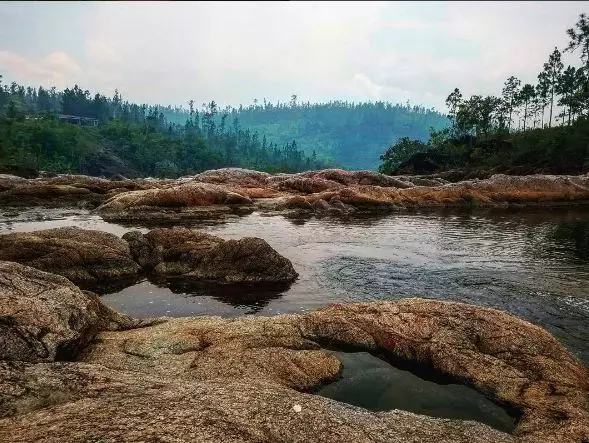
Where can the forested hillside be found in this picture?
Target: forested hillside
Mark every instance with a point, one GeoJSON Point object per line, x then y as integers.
{"type": "Point", "coordinates": [354, 135]}
{"type": "Point", "coordinates": [75, 131]}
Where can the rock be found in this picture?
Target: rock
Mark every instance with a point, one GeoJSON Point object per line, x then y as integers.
{"type": "Point", "coordinates": [92, 259]}
{"type": "Point", "coordinates": [64, 190]}
{"type": "Point", "coordinates": [508, 359]}
{"type": "Point", "coordinates": [188, 200]}
{"type": "Point", "coordinates": [243, 178]}
{"type": "Point", "coordinates": [204, 348]}
{"type": "Point", "coordinates": [511, 361]}
{"type": "Point", "coordinates": [76, 402]}
{"type": "Point", "coordinates": [44, 317]}
{"type": "Point", "coordinates": [308, 185]}
{"type": "Point", "coordinates": [195, 255]}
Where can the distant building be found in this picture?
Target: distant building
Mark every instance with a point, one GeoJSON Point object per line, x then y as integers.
{"type": "Point", "coordinates": [77, 120]}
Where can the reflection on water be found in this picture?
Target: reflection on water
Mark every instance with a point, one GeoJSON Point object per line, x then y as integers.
{"type": "Point", "coordinates": [532, 263]}
{"type": "Point", "coordinates": [373, 384]}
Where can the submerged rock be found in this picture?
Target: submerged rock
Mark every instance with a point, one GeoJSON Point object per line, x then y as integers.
{"type": "Point", "coordinates": [92, 259]}
{"type": "Point", "coordinates": [44, 317]}
{"type": "Point", "coordinates": [194, 255]}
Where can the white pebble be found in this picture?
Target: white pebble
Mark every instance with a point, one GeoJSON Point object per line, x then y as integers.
{"type": "Point", "coordinates": [297, 408]}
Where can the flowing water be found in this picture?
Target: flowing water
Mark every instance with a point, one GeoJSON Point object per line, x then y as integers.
{"type": "Point", "coordinates": [531, 263]}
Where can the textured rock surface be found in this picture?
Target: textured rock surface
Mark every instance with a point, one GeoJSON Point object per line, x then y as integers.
{"type": "Point", "coordinates": [91, 259]}
{"type": "Point", "coordinates": [510, 360]}
{"type": "Point", "coordinates": [334, 192]}
{"type": "Point", "coordinates": [75, 402]}
{"type": "Point", "coordinates": [66, 190]}
{"type": "Point", "coordinates": [195, 255]}
{"type": "Point", "coordinates": [44, 317]}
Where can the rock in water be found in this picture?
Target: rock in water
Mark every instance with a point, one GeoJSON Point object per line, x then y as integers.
{"type": "Point", "coordinates": [91, 259]}
{"type": "Point", "coordinates": [194, 255]}
{"type": "Point", "coordinates": [44, 317]}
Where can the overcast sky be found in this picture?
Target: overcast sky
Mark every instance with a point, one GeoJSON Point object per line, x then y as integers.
{"type": "Point", "coordinates": [168, 53]}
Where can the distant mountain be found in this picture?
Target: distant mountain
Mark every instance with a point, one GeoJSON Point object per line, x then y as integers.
{"type": "Point", "coordinates": [353, 135]}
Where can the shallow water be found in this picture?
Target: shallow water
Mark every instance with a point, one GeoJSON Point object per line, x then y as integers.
{"type": "Point", "coordinates": [531, 263]}
{"type": "Point", "coordinates": [373, 384]}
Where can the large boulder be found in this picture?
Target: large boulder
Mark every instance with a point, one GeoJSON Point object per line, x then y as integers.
{"type": "Point", "coordinates": [76, 402]}
{"type": "Point", "coordinates": [195, 255]}
{"type": "Point", "coordinates": [511, 361]}
{"type": "Point", "coordinates": [91, 259]}
{"type": "Point", "coordinates": [44, 317]}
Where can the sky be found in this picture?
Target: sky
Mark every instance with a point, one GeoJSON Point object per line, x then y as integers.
{"type": "Point", "coordinates": [238, 52]}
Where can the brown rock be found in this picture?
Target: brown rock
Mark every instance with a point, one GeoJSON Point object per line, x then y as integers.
{"type": "Point", "coordinates": [511, 361]}
{"type": "Point", "coordinates": [91, 259]}
{"type": "Point", "coordinates": [76, 402]}
{"type": "Point", "coordinates": [195, 255]}
{"type": "Point", "coordinates": [44, 317]}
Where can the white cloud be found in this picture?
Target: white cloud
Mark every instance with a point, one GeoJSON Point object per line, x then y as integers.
{"type": "Point", "coordinates": [233, 52]}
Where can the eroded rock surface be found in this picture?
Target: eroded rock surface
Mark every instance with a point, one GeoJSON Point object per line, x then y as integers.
{"type": "Point", "coordinates": [92, 259]}
{"type": "Point", "coordinates": [78, 402]}
{"type": "Point", "coordinates": [195, 255]}
{"type": "Point", "coordinates": [44, 317]}
{"type": "Point", "coordinates": [509, 360]}
{"type": "Point", "coordinates": [66, 190]}
{"type": "Point", "coordinates": [334, 192]}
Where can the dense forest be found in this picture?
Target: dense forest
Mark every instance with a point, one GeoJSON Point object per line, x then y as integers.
{"type": "Point", "coordinates": [352, 134]}
{"type": "Point", "coordinates": [528, 128]}
{"type": "Point", "coordinates": [75, 131]}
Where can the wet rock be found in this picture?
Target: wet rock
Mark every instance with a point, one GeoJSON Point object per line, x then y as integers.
{"type": "Point", "coordinates": [195, 255]}
{"type": "Point", "coordinates": [92, 259]}
{"type": "Point", "coordinates": [44, 317]}
{"type": "Point", "coordinates": [78, 402]}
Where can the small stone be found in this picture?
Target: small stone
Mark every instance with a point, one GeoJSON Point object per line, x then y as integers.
{"type": "Point", "coordinates": [297, 408]}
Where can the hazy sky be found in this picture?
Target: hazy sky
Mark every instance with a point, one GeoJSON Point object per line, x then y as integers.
{"type": "Point", "coordinates": [168, 53]}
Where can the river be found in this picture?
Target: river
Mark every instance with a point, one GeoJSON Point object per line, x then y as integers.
{"type": "Point", "coordinates": [531, 263]}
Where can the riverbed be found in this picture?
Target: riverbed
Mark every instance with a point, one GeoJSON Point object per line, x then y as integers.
{"type": "Point", "coordinates": [531, 263]}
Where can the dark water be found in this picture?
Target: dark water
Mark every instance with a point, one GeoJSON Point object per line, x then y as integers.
{"type": "Point", "coordinates": [373, 384]}
{"type": "Point", "coordinates": [531, 263]}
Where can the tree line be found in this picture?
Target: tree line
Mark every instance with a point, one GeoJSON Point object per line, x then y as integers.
{"type": "Point", "coordinates": [542, 123]}
{"type": "Point", "coordinates": [138, 140]}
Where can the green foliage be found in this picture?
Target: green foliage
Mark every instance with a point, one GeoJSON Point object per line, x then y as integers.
{"type": "Point", "coordinates": [129, 139]}
{"type": "Point", "coordinates": [400, 152]}
{"type": "Point", "coordinates": [352, 135]}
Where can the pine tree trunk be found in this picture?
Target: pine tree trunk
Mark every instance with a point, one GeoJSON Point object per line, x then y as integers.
{"type": "Point", "coordinates": [551, 103]}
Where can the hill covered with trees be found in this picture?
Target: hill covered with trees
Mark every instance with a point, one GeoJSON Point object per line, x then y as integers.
{"type": "Point", "coordinates": [542, 127]}
{"type": "Point", "coordinates": [353, 135]}
{"type": "Point", "coordinates": [77, 132]}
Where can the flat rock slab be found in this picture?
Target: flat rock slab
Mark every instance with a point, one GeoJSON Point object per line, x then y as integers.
{"type": "Point", "coordinates": [76, 402]}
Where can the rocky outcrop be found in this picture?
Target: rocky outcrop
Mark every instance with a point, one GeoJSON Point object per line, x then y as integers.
{"type": "Point", "coordinates": [92, 259]}
{"type": "Point", "coordinates": [216, 379]}
{"type": "Point", "coordinates": [194, 255]}
{"type": "Point", "coordinates": [183, 201]}
{"type": "Point", "coordinates": [44, 317]}
{"type": "Point", "coordinates": [335, 192]}
{"type": "Point", "coordinates": [66, 190]}
{"type": "Point", "coordinates": [76, 402]}
{"type": "Point", "coordinates": [509, 360]}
